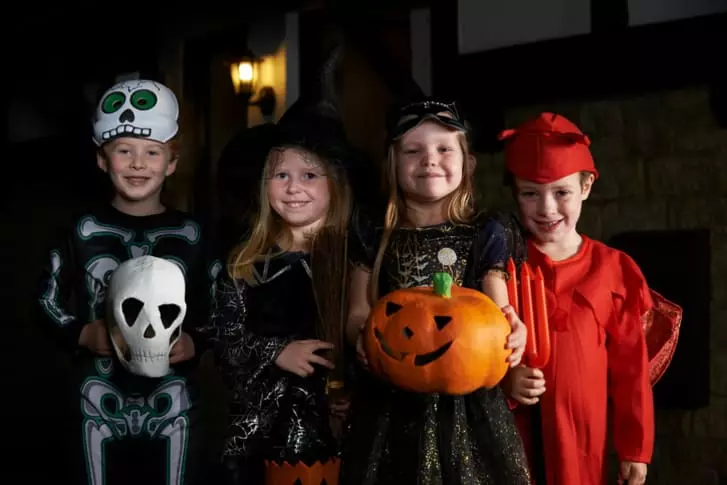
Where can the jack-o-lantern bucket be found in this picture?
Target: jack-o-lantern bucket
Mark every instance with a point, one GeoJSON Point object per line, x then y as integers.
{"type": "Point", "coordinates": [446, 339]}
{"type": "Point", "coordinates": [319, 473]}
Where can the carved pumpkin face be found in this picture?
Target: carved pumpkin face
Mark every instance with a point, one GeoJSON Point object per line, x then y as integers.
{"type": "Point", "coordinates": [319, 473]}
{"type": "Point", "coordinates": [447, 339]}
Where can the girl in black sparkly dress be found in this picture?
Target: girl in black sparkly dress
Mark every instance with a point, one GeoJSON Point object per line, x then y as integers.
{"type": "Point", "coordinates": [276, 336]}
{"type": "Point", "coordinates": [399, 437]}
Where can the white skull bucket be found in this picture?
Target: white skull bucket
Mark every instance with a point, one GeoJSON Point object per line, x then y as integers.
{"type": "Point", "coordinates": [147, 299]}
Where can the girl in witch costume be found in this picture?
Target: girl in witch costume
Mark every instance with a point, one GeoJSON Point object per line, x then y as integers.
{"type": "Point", "coordinates": [400, 437]}
{"type": "Point", "coordinates": [599, 306]}
{"type": "Point", "coordinates": [279, 311]}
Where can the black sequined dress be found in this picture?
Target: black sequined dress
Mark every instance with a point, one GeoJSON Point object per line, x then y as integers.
{"type": "Point", "coordinates": [274, 414]}
{"type": "Point", "coordinates": [402, 438]}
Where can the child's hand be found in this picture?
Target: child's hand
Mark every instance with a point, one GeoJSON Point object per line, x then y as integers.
{"type": "Point", "coordinates": [182, 350]}
{"type": "Point", "coordinates": [298, 357]}
{"type": "Point", "coordinates": [360, 352]}
{"type": "Point", "coordinates": [339, 408]}
{"type": "Point", "coordinates": [337, 419]}
{"type": "Point", "coordinates": [95, 337]}
{"type": "Point", "coordinates": [632, 473]}
{"type": "Point", "coordinates": [525, 385]}
{"type": "Point", "coordinates": [517, 338]}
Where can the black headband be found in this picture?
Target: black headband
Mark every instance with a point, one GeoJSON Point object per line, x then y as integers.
{"type": "Point", "coordinates": [405, 117]}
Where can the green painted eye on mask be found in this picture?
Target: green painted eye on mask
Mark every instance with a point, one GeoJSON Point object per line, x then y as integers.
{"type": "Point", "coordinates": [143, 99]}
{"type": "Point", "coordinates": [113, 102]}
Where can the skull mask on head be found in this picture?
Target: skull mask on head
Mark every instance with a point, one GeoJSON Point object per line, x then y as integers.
{"type": "Point", "coordinates": [147, 297]}
{"type": "Point", "coordinates": [142, 109]}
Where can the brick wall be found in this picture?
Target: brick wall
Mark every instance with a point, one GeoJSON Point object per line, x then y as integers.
{"type": "Point", "coordinates": [663, 165]}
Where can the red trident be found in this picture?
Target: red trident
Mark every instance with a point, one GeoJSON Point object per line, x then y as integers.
{"type": "Point", "coordinates": [530, 306]}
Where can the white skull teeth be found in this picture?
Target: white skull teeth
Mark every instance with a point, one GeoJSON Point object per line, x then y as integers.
{"type": "Point", "coordinates": [123, 129]}
{"type": "Point", "coordinates": [149, 356]}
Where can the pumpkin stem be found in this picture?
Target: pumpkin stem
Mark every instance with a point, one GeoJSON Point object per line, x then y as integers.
{"type": "Point", "coordinates": [442, 284]}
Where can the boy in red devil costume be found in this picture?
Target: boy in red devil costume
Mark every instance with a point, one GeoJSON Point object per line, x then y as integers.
{"type": "Point", "coordinates": [602, 364]}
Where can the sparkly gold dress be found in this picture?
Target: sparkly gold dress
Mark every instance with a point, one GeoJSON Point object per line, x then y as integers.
{"type": "Point", "coordinates": [402, 438]}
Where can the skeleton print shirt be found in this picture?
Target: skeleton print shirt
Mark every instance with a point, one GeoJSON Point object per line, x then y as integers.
{"type": "Point", "coordinates": [74, 280]}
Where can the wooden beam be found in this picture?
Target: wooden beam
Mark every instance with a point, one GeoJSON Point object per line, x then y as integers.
{"type": "Point", "coordinates": [615, 63]}
{"type": "Point", "coordinates": [637, 59]}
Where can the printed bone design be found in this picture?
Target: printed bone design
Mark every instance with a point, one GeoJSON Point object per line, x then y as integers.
{"type": "Point", "coordinates": [89, 227]}
{"type": "Point", "coordinates": [147, 295]}
{"type": "Point", "coordinates": [529, 302]}
{"type": "Point", "coordinates": [110, 415]}
{"type": "Point", "coordinates": [189, 232]}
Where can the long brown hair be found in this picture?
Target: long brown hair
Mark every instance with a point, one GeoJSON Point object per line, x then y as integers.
{"type": "Point", "coordinates": [460, 204]}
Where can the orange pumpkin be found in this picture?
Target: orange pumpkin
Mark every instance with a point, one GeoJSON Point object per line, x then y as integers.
{"type": "Point", "coordinates": [319, 473]}
{"type": "Point", "coordinates": [446, 339]}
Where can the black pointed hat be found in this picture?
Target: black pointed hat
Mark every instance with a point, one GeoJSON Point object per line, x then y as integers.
{"type": "Point", "coordinates": [314, 122]}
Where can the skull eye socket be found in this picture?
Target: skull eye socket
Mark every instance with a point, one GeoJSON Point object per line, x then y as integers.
{"type": "Point", "coordinates": [113, 102]}
{"type": "Point", "coordinates": [168, 313]}
{"type": "Point", "coordinates": [143, 99]}
{"type": "Point", "coordinates": [131, 307]}
{"type": "Point", "coordinates": [175, 335]}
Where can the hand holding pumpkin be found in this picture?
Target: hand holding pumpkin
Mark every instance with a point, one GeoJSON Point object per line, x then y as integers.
{"type": "Point", "coordinates": [299, 356]}
{"type": "Point", "coordinates": [518, 337]}
{"type": "Point", "coordinates": [444, 338]}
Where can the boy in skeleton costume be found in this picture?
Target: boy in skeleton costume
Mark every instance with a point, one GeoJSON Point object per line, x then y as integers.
{"type": "Point", "coordinates": [134, 428]}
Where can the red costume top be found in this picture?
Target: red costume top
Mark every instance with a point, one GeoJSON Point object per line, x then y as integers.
{"type": "Point", "coordinates": [611, 336]}
{"type": "Point", "coordinates": [596, 300]}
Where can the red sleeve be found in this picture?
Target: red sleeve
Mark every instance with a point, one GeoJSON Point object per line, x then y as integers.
{"type": "Point", "coordinates": [661, 325]}
{"type": "Point", "coordinates": [628, 369]}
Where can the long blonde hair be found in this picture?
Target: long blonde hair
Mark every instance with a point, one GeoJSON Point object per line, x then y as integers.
{"type": "Point", "coordinates": [460, 204]}
{"type": "Point", "coordinates": [268, 229]}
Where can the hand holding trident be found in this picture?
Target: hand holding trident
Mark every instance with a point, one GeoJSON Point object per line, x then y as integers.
{"type": "Point", "coordinates": [528, 300]}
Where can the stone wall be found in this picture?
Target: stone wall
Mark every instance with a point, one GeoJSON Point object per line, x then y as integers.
{"type": "Point", "coordinates": [663, 165]}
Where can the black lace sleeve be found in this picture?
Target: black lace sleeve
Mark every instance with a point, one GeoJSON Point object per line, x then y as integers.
{"type": "Point", "coordinates": [362, 240]}
{"type": "Point", "coordinates": [242, 355]}
{"type": "Point", "coordinates": [499, 239]}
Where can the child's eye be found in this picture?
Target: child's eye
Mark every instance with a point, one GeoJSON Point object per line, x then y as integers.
{"type": "Point", "coordinates": [280, 175]}
{"type": "Point", "coordinates": [154, 153]}
{"type": "Point", "coordinates": [527, 194]}
{"type": "Point", "coordinates": [309, 176]}
{"type": "Point", "coordinates": [445, 149]}
{"type": "Point", "coordinates": [562, 193]}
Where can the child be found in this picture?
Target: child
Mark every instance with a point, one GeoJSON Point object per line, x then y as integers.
{"type": "Point", "coordinates": [125, 417]}
{"type": "Point", "coordinates": [597, 297]}
{"type": "Point", "coordinates": [398, 437]}
{"type": "Point", "coordinates": [270, 312]}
